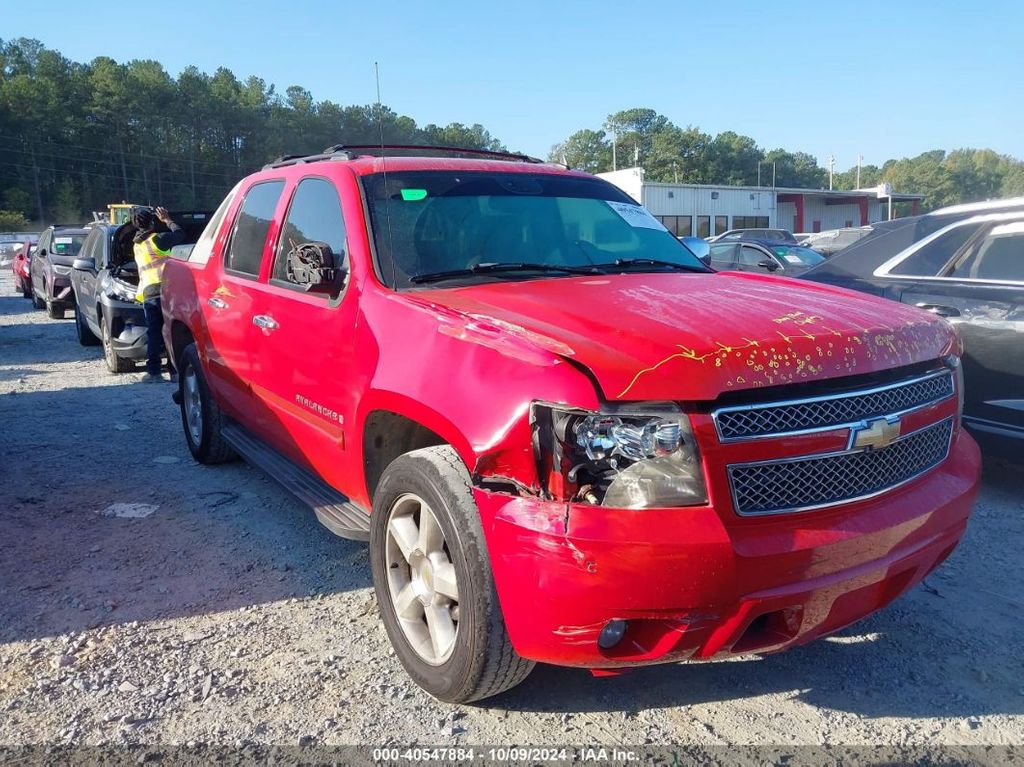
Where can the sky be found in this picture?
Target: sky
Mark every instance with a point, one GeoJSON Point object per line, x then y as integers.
{"type": "Point", "coordinates": [877, 79]}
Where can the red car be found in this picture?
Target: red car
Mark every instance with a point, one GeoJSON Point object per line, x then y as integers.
{"type": "Point", "coordinates": [20, 266]}
{"type": "Point", "coordinates": [566, 439]}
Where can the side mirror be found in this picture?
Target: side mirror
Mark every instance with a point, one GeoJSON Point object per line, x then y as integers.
{"type": "Point", "coordinates": [41, 252]}
{"type": "Point", "coordinates": [770, 264]}
{"type": "Point", "coordinates": [700, 248]}
{"type": "Point", "coordinates": [312, 265]}
{"type": "Point", "coordinates": [84, 264]}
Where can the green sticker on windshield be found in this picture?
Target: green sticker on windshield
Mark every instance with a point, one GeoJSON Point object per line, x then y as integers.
{"type": "Point", "coordinates": [414, 195]}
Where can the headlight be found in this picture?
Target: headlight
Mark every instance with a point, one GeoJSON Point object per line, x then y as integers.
{"type": "Point", "coordinates": [63, 271]}
{"type": "Point", "coordinates": [116, 288]}
{"type": "Point", "coordinates": [635, 457]}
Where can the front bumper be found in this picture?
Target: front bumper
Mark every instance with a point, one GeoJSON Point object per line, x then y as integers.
{"type": "Point", "coordinates": [128, 329]}
{"type": "Point", "coordinates": [699, 583]}
{"type": "Point", "coordinates": [59, 291]}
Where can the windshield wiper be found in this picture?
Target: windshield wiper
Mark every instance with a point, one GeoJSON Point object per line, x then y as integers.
{"type": "Point", "coordinates": [651, 262]}
{"type": "Point", "coordinates": [501, 267]}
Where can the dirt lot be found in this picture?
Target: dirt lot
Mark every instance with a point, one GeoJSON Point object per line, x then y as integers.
{"type": "Point", "coordinates": [227, 615]}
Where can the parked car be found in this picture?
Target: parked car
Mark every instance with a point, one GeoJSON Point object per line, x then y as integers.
{"type": "Point", "coordinates": [21, 259]}
{"type": "Point", "coordinates": [971, 271]}
{"type": "Point", "coordinates": [763, 256]}
{"type": "Point", "coordinates": [105, 280]}
{"type": "Point", "coordinates": [852, 267]}
{"type": "Point", "coordinates": [830, 242]}
{"type": "Point", "coordinates": [50, 268]}
{"type": "Point", "coordinates": [774, 235]}
{"type": "Point", "coordinates": [566, 439]}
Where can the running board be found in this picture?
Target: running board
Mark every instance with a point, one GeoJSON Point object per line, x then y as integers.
{"type": "Point", "coordinates": [335, 512]}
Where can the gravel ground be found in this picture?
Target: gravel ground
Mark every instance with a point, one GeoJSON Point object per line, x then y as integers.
{"type": "Point", "coordinates": [219, 611]}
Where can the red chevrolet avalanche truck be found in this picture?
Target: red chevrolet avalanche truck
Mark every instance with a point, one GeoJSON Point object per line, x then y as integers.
{"type": "Point", "coordinates": [566, 439]}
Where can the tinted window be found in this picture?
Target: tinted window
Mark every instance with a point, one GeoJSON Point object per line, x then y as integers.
{"type": "Point", "coordinates": [723, 256]}
{"type": "Point", "coordinates": [314, 216]}
{"type": "Point", "coordinates": [751, 256]}
{"type": "Point", "coordinates": [998, 256]}
{"type": "Point", "coordinates": [928, 260]}
{"type": "Point", "coordinates": [89, 249]}
{"type": "Point", "coordinates": [428, 222]}
{"type": "Point", "coordinates": [249, 236]}
{"type": "Point", "coordinates": [797, 256]}
{"type": "Point", "coordinates": [204, 245]}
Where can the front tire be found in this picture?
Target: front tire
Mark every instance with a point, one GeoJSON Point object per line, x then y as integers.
{"type": "Point", "coordinates": [434, 583]}
{"type": "Point", "coordinates": [201, 417]}
{"type": "Point", "coordinates": [85, 335]}
{"type": "Point", "coordinates": [37, 302]}
{"type": "Point", "coordinates": [115, 364]}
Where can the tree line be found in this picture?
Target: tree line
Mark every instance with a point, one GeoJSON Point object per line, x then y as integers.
{"type": "Point", "coordinates": [77, 136]}
{"type": "Point", "coordinates": [688, 155]}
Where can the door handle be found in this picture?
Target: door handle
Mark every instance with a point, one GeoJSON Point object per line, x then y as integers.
{"type": "Point", "coordinates": [940, 309]}
{"type": "Point", "coordinates": [265, 322]}
{"type": "Point", "coordinates": [217, 303]}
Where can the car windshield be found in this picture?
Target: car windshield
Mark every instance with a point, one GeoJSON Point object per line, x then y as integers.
{"type": "Point", "coordinates": [797, 256]}
{"type": "Point", "coordinates": [434, 225]}
{"type": "Point", "coordinates": [67, 244]}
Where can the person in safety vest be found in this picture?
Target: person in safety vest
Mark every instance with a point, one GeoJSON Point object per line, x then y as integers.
{"type": "Point", "coordinates": [152, 249]}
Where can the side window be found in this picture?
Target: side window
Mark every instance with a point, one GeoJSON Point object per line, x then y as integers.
{"type": "Point", "coordinates": [44, 243]}
{"type": "Point", "coordinates": [724, 256]}
{"type": "Point", "coordinates": [313, 216]}
{"type": "Point", "coordinates": [249, 236]}
{"type": "Point", "coordinates": [997, 256]}
{"type": "Point", "coordinates": [203, 248]}
{"type": "Point", "coordinates": [89, 249]}
{"type": "Point", "coordinates": [751, 256]}
{"type": "Point", "coordinates": [930, 258]}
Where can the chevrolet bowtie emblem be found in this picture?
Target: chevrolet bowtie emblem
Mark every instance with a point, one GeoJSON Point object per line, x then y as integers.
{"type": "Point", "coordinates": [875, 434]}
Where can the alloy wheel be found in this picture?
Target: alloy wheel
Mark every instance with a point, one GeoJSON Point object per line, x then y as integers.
{"type": "Point", "coordinates": [421, 579]}
{"type": "Point", "coordinates": [192, 403]}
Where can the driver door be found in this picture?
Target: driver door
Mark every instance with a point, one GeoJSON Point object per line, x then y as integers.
{"type": "Point", "coordinates": [303, 377]}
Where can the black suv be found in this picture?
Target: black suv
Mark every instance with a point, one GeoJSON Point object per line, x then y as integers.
{"type": "Point", "coordinates": [105, 279]}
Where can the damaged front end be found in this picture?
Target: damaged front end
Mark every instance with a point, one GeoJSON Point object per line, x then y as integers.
{"type": "Point", "coordinates": [634, 456]}
{"type": "Point", "coordinates": [117, 286]}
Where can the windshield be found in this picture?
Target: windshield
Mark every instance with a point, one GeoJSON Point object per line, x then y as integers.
{"type": "Point", "coordinates": [67, 244]}
{"type": "Point", "coordinates": [797, 256]}
{"type": "Point", "coordinates": [433, 222]}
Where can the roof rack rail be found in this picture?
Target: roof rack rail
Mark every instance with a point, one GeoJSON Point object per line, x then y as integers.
{"type": "Point", "coordinates": [379, 148]}
{"type": "Point", "coordinates": [351, 151]}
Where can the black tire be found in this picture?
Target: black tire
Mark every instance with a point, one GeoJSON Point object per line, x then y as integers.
{"type": "Point", "coordinates": [115, 364]}
{"type": "Point", "coordinates": [482, 662]}
{"type": "Point", "coordinates": [26, 289]}
{"type": "Point", "coordinates": [54, 312]}
{"type": "Point", "coordinates": [211, 447]}
{"type": "Point", "coordinates": [37, 302]}
{"type": "Point", "coordinates": [85, 335]}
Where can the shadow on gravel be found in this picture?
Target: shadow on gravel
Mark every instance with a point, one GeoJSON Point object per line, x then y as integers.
{"type": "Point", "coordinates": [17, 304]}
{"type": "Point", "coordinates": [210, 539]}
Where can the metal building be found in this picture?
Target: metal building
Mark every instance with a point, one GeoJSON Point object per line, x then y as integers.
{"type": "Point", "coordinates": [704, 210]}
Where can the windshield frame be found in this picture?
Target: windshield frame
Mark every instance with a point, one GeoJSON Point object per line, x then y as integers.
{"type": "Point", "coordinates": [491, 277]}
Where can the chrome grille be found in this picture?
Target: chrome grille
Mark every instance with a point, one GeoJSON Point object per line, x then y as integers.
{"type": "Point", "coordinates": [806, 483]}
{"type": "Point", "coordinates": [833, 411]}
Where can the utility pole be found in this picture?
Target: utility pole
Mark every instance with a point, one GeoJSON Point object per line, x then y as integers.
{"type": "Point", "coordinates": [860, 159]}
{"type": "Point", "coordinates": [675, 172]}
{"type": "Point", "coordinates": [759, 173]}
{"type": "Point", "coordinates": [773, 174]}
{"type": "Point", "coordinates": [615, 165]}
{"type": "Point", "coordinates": [831, 170]}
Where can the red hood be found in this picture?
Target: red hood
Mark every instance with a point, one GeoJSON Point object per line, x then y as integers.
{"type": "Point", "coordinates": [693, 336]}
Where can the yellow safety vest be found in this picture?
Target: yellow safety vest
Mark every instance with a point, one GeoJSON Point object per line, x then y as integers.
{"type": "Point", "coordinates": [150, 260]}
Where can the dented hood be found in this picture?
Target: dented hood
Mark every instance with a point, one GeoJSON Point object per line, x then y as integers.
{"type": "Point", "coordinates": [693, 336]}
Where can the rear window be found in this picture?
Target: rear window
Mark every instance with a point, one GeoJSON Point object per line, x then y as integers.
{"type": "Point", "coordinates": [929, 259]}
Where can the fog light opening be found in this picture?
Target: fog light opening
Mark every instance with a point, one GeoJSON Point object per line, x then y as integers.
{"type": "Point", "coordinates": [611, 634]}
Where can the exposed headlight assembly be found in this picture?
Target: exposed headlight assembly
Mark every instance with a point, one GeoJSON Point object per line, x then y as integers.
{"type": "Point", "coordinates": [116, 289]}
{"type": "Point", "coordinates": [631, 457]}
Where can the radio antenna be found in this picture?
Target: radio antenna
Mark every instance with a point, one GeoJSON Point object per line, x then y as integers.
{"type": "Point", "coordinates": [384, 174]}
